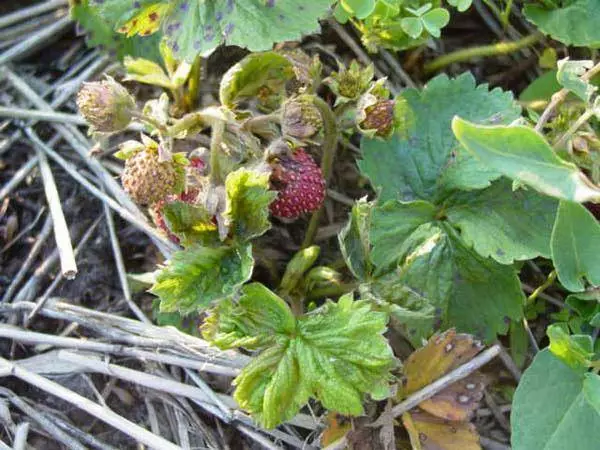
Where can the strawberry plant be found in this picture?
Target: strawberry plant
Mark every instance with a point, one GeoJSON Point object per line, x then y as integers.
{"type": "Point", "coordinates": [468, 190]}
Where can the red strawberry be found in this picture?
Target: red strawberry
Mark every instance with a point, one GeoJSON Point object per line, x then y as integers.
{"type": "Point", "coordinates": [300, 184]}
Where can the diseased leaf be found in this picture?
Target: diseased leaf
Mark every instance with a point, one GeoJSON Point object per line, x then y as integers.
{"type": "Point", "coordinates": [190, 223]}
{"type": "Point", "coordinates": [575, 351]}
{"type": "Point", "coordinates": [391, 225]}
{"type": "Point", "coordinates": [254, 322]}
{"type": "Point", "coordinates": [412, 163]}
{"type": "Point", "coordinates": [248, 199]}
{"type": "Point", "coordinates": [524, 155]}
{"type": "Point", "coordinates": [427, 432]}
{"type": "Point", "coordinates": [255, 71]}
{"type": "Point", "coordinates": [354, 240]}
{"type": "Point", "coordinates": [503, 224]}
{"type": "Point", "coordinates": [550, 411]}
{"type": "Point", "coordinates": [254, 24]}
{"type": "Point", "coordinates": [575, 244]}
{"type": "Point", "coordinates": [576, 23]}
{"type": "Point", "coordinates": [336, 354]}
{"type": "Point", "coordinates": [101, 31]}
{"type": "Point", "coordinates": [198, 276]}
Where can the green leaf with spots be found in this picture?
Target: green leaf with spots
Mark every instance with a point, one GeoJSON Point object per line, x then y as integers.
{"type": "Point", "coordinates": [575, 23]}
{"type": "Point", "coordinates": [198, 27]}
{"type": "Point", "coordinates": [248, 199]}
{"type": "Point", "coordinates": [441, 282]}
{"type": "Point", "coordinates": [411, 165]}
{"type": "Point", "coordinates": [575, 244]}
{"type": "Point", "coordinates": [336, 354]}
{"type": "Point", "coordinates": [550, 410]}
{"type": "Point", "coordinates": [198, 276]}
{"type": "Point", "coordinates": [522, 154]}
{"type": "Point", "coordinates": [502, 223]}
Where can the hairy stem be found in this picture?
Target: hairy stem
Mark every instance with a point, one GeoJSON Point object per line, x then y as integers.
{"type": "Point", "coordinates": [150, 121]}
{"type": "Point", "coordinates": [535, 294]}
{"type": "Point", "coordinates": [587, 115]}
{"type": "Point", "coordinates": [500, 48]}
{"type": "Point", "coordinates": [218, 129]}
{"type": "Point", "coordinates": [329, 146]}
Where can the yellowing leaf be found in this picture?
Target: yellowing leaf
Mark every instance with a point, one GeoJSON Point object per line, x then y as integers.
{"type": "Point", "coordinates": [145, 22]}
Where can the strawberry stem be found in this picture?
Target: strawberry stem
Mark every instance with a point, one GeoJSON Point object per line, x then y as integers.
{"type": "Point", "coordinates": [330, 138]}
{"type": "Point", "coordinates": [218, 129]}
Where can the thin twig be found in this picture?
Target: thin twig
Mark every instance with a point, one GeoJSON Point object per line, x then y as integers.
{"type": "Point", "coordinates": [457, 374]}
{"type": "Point", "coordinates": [44, 116]}
{"type": "Point", "coordinates": [19, 176]}
{"type": "Point", "coordinates": [32, 11]}
{"type": "Point", "coordinates": [106, 415]}
{"type": "Point", "coordinates": [114, 242]}
{"type": "Point", "coordinates": [33, 253]}
{"type": "Point", "coordinates": [20, 439]}
{"type": "Point", "coordinates": [44, 36]}
{"type": "Point", "coordinates": [395, 65]}
{"type": "Point", "coordinates": [46, 295]}
{"type": "Point", "coordinates": [560, 97]}
{"type": "Point", "coordinates": [61, 229]}
{"type": "Point", "coordinates": [41, 420]}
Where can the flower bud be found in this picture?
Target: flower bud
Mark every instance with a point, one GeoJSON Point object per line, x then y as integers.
{"type": "Point", "coordinates": [350, 83]}
{"type": "Point", "coordinates": [301, 118]}
{"type": "Point", "coordinates": [106, 105]}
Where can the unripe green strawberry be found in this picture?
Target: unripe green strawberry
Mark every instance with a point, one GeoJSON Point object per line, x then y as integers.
{"type": "Point", "coordinates": [300, 185]}
{"type": "Point", "coordinates": [147, 180]}
{"type": "Point", "coordinates": [106, 105]}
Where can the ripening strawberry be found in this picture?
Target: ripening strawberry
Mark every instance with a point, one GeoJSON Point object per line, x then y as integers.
{"type": "Point", "coordinates": [148, 180]}
{"type": "Point", "coordinates": [157, 211]}
{"type": "Point", "coordinates": [299, 183]}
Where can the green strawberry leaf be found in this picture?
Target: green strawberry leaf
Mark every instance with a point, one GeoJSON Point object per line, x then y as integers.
{"type": "Point", "coordinates": [569, 76]}
{"type": "Point", "coordinates": [248, 199]}
{"type": "Point", "coordinates": [587, 306]}
{"type": "Point", "coordinates": [575, 244]}
{"type": "Point", "coordinates": [550, 410]}
{"type": "Point", "coordinates": [591, 390]}
{"type": "Point", "coordinates": [522, 154]}
{"type": "Point", "coordinates": [354, 240]}
{"type": "Point", "coordinates": [441, 282]}
{"type": "Point", "coordinates": [392, 224]}
{"type": "Point", "coordinates": [198, 27]}
{"type": "Point", "coordinates": [574, 350]}
{"type": "Point", "coordinates": [502, 223]}
{"type": "Point", "coordinates": [576, 23]}
{"type": "Point", "coordinates": [412, 163]}
{"type": "Point", "coordinates": [190, 223]}
{"type": "Point", "coordinates": [198, 276]}
{"type": "Point", "coordinates": [335, 354]}
{"type": "Point", "coordinates": [251, 74]}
